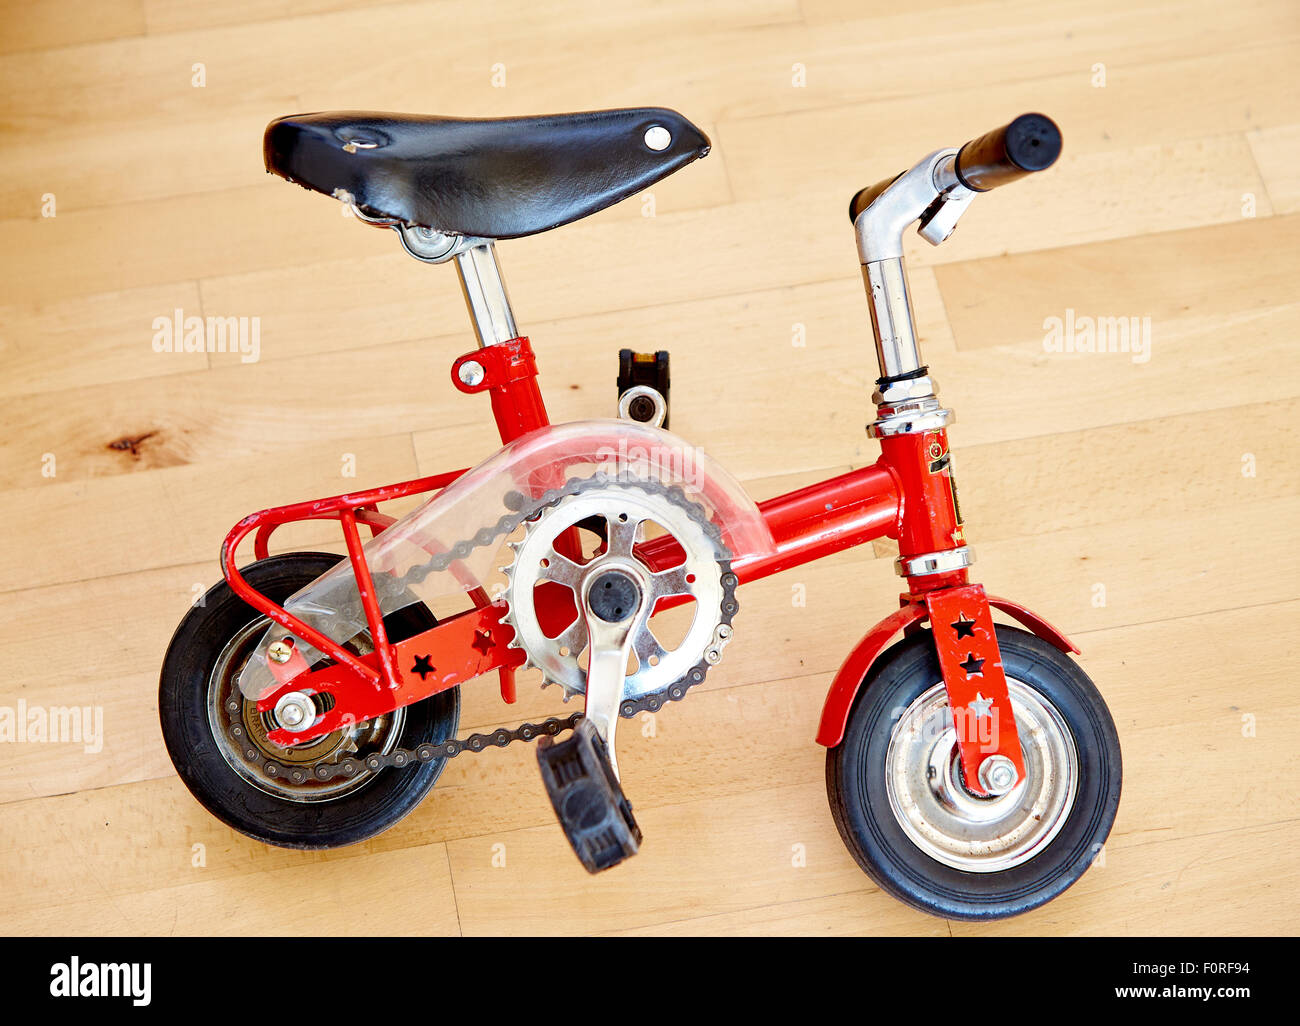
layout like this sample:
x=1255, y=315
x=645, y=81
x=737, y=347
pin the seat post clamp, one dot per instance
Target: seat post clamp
x=494, y=366
x=507, y=371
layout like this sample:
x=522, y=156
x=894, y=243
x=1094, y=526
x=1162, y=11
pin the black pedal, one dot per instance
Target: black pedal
x=587, y=798
x=648, y=370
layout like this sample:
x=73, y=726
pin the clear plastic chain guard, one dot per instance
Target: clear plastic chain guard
x=465, y=516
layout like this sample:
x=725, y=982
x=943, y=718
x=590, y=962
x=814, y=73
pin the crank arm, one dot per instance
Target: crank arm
x=615, y=604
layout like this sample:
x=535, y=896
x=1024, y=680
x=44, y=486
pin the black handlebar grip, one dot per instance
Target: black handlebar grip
x=1031, y=142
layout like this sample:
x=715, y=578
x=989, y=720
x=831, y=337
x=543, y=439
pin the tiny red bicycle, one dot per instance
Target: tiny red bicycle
x=311, y=701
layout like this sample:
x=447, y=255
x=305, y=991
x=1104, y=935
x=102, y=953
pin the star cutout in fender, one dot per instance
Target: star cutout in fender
x=483, y=641
x=980, y=705
x=964, y=628
x=973, y=667
x=422, y=666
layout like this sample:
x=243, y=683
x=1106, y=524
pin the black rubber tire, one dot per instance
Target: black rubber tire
x=855, y=784
x=183, y=710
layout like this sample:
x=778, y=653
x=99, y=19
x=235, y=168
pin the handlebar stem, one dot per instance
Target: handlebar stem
x=892, y=322
x=936, y=192
x=880, y=227
x=932, y=193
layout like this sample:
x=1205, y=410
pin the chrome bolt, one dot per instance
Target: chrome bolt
x=998, y=774
x=295, y=711
x=279, y=651
x=471, y=373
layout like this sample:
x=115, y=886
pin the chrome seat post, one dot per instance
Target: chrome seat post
x=485, y=294
x=476, y=266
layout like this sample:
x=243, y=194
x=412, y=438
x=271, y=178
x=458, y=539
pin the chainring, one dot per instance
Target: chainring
x=622, y=509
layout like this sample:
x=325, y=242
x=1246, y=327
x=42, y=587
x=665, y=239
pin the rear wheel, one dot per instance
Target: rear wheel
x=897, y=794
x=200, y=678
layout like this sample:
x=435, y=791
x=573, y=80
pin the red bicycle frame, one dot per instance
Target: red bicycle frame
x=836, y=514
x=908, y=494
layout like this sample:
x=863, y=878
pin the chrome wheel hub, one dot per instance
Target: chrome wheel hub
x=977, y=834
x=294, y=711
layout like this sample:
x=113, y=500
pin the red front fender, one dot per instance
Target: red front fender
x=849, y=677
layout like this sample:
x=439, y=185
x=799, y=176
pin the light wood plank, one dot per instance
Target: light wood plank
x=102, y=340
x=222, y=414
x=1138, y=108
x=56, y=23
x=1146, y=507
x=177, y=514
x=1277, y=151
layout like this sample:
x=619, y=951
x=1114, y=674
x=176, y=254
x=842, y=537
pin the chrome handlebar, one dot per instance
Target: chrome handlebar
x=935, y=192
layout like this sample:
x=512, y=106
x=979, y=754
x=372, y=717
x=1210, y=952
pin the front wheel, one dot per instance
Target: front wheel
x=898, y=798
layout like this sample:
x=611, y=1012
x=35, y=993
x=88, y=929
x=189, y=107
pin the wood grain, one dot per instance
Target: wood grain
x=1145, y=505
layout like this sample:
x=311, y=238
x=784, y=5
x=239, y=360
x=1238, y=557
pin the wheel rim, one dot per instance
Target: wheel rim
x=380, y=734
x=957, y=828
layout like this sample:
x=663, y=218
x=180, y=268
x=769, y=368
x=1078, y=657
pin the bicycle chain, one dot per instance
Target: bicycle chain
x=503, y=736
x=398, y=757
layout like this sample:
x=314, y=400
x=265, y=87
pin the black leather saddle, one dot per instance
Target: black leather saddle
x=497, y=178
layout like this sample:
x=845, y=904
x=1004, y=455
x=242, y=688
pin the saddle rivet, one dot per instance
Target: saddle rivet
x=658, y=138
